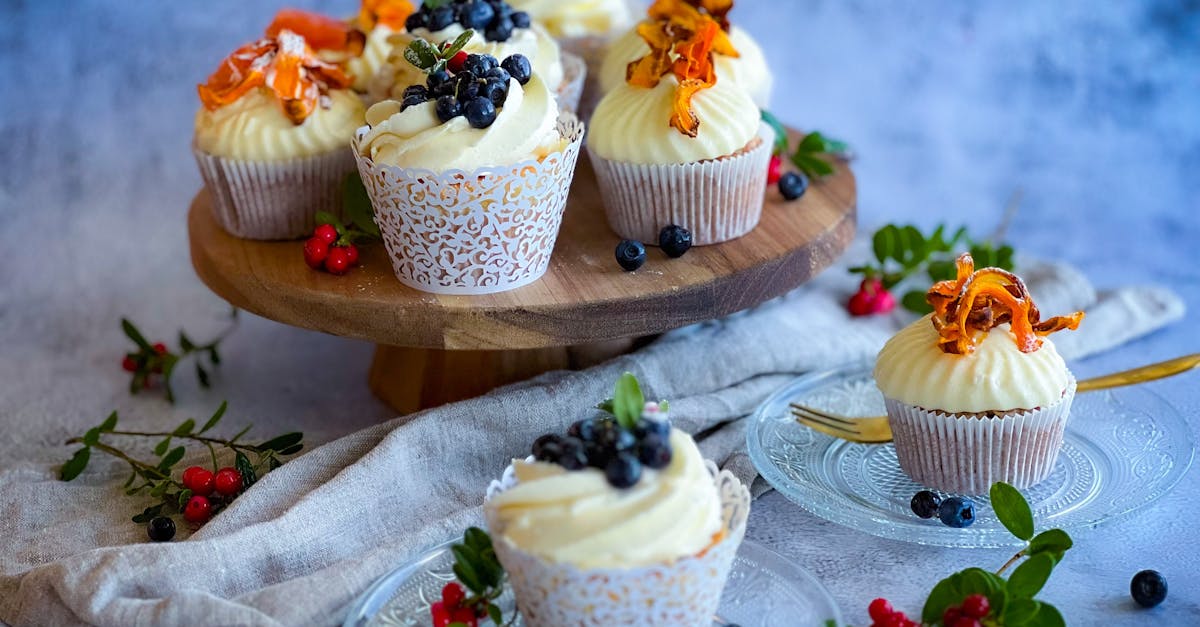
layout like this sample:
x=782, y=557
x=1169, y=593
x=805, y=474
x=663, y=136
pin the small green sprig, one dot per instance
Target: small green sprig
x=478, y=569
x=430, y=58
x=628, y=402
x=360, y=216
x=155, y=478
x=812, y=154
x=148, y=360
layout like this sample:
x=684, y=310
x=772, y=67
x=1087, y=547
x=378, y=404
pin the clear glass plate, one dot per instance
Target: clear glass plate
x=764, y=589
x=1123, y=450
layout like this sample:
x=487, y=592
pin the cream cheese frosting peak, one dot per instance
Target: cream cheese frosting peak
x=254, y=127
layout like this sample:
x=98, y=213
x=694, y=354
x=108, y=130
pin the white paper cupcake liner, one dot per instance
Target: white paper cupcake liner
x=479, y=232
x=590, y=48
x=966, y=454
x=272, y=200
x=575, y=73
x=685, y=593
x=717, y=200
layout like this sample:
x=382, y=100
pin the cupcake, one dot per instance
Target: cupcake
x=272, y=138
x=622, y=522
x=741, y=63
x=469, y=174
x=359, y=44
x=674, y=144
x=495, y=30
x=975, y=392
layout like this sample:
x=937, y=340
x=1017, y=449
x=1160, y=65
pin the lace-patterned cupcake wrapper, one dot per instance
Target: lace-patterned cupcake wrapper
x=274, y=200
x=967, y=453
x=717, y=200
x=684, y=593
x=480, y=232
x=575, y=73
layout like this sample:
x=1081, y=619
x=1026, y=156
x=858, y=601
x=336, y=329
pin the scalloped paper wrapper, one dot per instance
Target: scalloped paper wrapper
x=717, y=200
x=685, y=593
x=274, y=200
x=480, y=232
x=967, y=453
x=570, y=93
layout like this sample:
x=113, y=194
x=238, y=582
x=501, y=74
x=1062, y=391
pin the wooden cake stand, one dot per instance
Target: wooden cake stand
x=436, y=349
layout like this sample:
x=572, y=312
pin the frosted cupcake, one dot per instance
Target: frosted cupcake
x=622, y=522
x=469, y=175
x=741, y=62
x=498, y=31
x=272, y=138
x=673, y=144
x=975, y=392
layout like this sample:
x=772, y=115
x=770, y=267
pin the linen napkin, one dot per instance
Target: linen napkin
x=311, y=536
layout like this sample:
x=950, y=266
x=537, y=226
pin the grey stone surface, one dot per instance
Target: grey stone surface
x=1091, y=110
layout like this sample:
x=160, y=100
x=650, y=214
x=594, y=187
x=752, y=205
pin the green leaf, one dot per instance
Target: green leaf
x=130, y=480
x=214, y=356
x=628, y=401
x=606, y=405
x=148, y=514
x=477, y=539
x=76, y=464
x=781, y=135
x=239, y=434
x=171, y=458
x=109, y=423
x=413, y=58
x=357, y=205
x=495, y=614
x=464, y=568
x=282, y=442
x=812, y=142
x=326, y=218
x=216, y=417
x=185, y=343
x=160, y=449
x=489, y=568
x=292, y=450
x=1053, y=542
x=1028, y=578
x=1047, y=616
x=202, y=375
x=664, y=406
x=461, y=42
x=1019, y=612
x=242, y=464
x=941, y=270
x=160, y=489
x=426, y=54
x=885, y=242
x=914, y=301
x=1012, y=509
x=134, y=334
x=185, y=428
x=911, y=248
x=814, y=167
x=952, y=590
x=91, y=437
x=182, y=498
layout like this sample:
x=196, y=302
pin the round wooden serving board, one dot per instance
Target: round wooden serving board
x=460, y=346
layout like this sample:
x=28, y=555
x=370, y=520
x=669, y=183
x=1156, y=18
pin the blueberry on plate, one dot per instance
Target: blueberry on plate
x=519, y=67
x=1148, y=588
x=675, y=240
x=477, y=15
x=793, y=185
x=631, y=255
x=957, y=512
x=448, y=108
x=654, y=452
x=623, y=471
x=521, y=19
x=496, y=92
x=480, y=112
x=161, y=529
x=925, y=504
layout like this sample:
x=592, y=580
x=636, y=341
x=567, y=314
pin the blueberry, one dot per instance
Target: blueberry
x=925, y=504
x=480, y=112
x=616, y=437
x=479, y=64
x=793, y=185
x=440, y=18
x=655, y=452
x=161, y=529
x=498, y=75
x=573, y=455
x=648, y=426
x=416, y=90
x=468, y=90
x=957, y=512
x=585, y=429
x=420, y=19
x=623, y=471
x=675, y=240
x=477, y=15
x=521, y=19
x=519, y=67
x=448, y=108
x=412, y=101
x=598, y=455
x=631, y=255
x=496, y=92
x=437, y=79
x=1149, y=588
x=547, y=448
x=500, y=30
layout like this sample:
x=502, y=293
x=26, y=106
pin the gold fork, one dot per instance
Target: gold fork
x=875, y=429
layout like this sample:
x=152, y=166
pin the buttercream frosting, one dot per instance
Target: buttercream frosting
x=254, y=127
x=373, y=59
x=578, y=18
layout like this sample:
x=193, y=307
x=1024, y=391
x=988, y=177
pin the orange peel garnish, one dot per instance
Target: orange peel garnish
x=321, y=32
x=286, y=65
x=683, y=47
x=684, y=117
x=685, y=14
x=649, y=70
x=695, y=60
x=975, y=302
x=390, y=13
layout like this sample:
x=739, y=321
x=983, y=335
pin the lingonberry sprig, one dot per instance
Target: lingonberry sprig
x=814, y=155
x=477, y=568
x=199, y=493
x=149, y=361
x=333, y=246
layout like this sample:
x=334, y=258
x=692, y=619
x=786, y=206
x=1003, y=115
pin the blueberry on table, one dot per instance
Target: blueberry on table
x=631, y=255
x=957, y=512
x=480, y=112
x=521, y=19
x=675, y=240
x=925, y=504
x=448, y=108
x=519, y=67
x=1149, y=588
x=161, y=529
x=793, y=185
x=623, y=471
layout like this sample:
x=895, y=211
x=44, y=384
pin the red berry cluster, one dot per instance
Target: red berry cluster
x=453, y=608
x=884, y=615
x=871, y=298
x=130, y=362
x=207, y=487
x=973, y=610
x=327, y=249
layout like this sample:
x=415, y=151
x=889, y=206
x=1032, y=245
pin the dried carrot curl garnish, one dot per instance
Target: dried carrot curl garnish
x=285, y=65
x=649, y=70
x=390, y=13
x=321, y=32
x=686, y=15
x=685, y=51
x=975, y=302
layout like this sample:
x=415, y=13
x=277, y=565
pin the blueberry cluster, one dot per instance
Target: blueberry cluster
x=476, y=90
x=603, y=444
x=494, y=18
x=953, y=511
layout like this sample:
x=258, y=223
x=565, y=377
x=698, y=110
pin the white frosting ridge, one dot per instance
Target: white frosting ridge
x=255, y=128
x=578, y=18
x=374, y=57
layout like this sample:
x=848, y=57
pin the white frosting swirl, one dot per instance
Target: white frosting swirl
x=525, y=128
x=578, y=518
x=749, y=70
x=373, y=59
x=997, y=376
x=633, y=124
x=578, y=18
x=255, y=128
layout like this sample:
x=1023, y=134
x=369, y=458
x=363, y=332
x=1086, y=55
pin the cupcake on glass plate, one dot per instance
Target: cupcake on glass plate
x=741, y=63
x=975, y=392
x=359, y=44
x=272, y=138
x=620, y=522
x=675, y=144
x=469, y=173
x=497, y=30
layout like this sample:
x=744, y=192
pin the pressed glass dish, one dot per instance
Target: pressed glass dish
x=1122, y=451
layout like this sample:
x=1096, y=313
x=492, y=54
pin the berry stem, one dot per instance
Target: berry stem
x=137, y=465
x=230, y=444
x=1010, y=562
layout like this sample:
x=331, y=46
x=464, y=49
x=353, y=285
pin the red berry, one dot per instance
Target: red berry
x=315, y=252
x=453, y=594
x=199, y=480
x=965, y=621
x=880, y=609
x=464, y=615
x=326, y=233
x=775, y=170
x=439, y=614
x=456, y=62
x=951, y=615
x=338, y=261
x=129, y=364
x=976, y=606
x=228, y=482
x=871, y=285
x=861, y=304
x=198, y=510
x=352, y=250
x=884, y=302
x=160, y=348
